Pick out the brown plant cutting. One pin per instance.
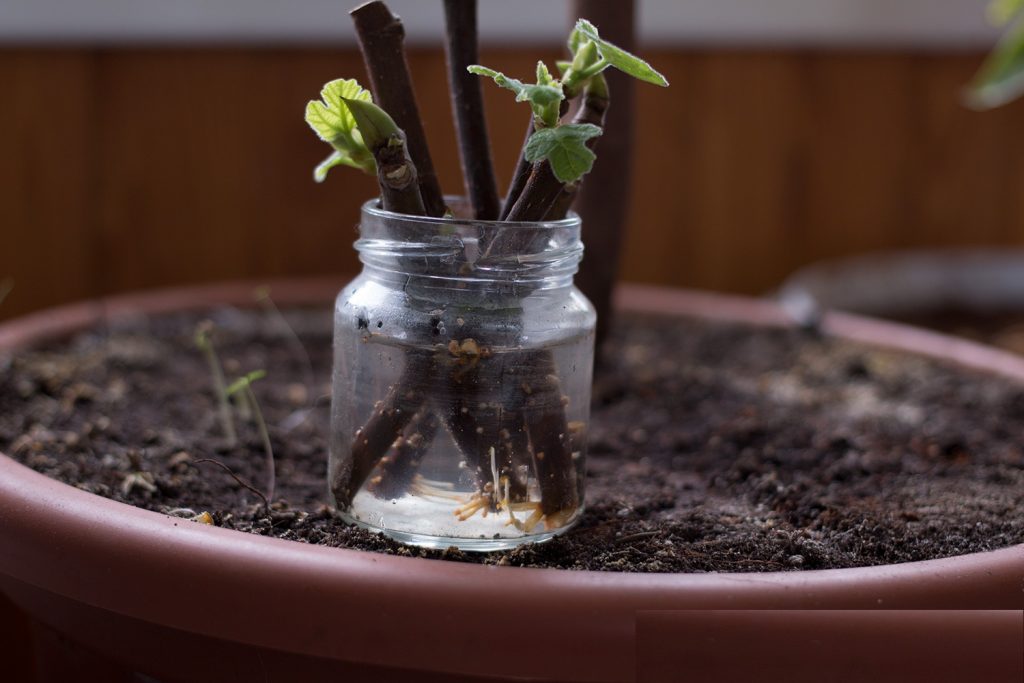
(503, 406)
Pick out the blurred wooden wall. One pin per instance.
(129, 168)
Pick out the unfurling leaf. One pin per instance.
(332, 121)
(565, 148)
(540, 95)
(544, 76)
(575, 38)
(544, 96)
(376, 127)
(616, 56)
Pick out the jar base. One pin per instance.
(477, 545)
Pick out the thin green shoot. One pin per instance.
(242, 407)
(204, 341)
(298, 349)
(244, 385)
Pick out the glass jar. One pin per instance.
(463, 357)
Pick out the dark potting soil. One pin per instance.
(713, 447)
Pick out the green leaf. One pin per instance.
(1001, 78)
(565, 148)
(619, 58)
(333, 123)
(544, 76)
(544, 96)
(540, 95)
(575, 38)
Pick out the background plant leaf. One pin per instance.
(565, 148)
(619, 58)
(1001, 78)
(1001, 12)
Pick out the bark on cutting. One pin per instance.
(381, 41)
(468, 109)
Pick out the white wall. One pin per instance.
(901, 23)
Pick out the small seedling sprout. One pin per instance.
(204, 341)
(243, 385)
(298, 348)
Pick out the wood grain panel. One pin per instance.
(46, 194)
(207, 169)
(971, 162)
(180, 165)
(858, 173)
(713, 194)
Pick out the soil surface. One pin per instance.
(713, 447)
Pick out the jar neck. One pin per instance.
(481, 258)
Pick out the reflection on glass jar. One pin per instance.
(461, 388)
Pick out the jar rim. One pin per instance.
(371, 207)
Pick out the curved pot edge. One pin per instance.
(603, 605)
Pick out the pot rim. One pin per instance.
(328, 602)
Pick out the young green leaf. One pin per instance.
(565, 148)
(619, 58)
(332, 121)
(540, 95)
(1001, 77)
(575, 38)
(544, 77)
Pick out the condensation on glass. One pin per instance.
(461, 389)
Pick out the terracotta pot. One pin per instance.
(892, 284)
(115, 589)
